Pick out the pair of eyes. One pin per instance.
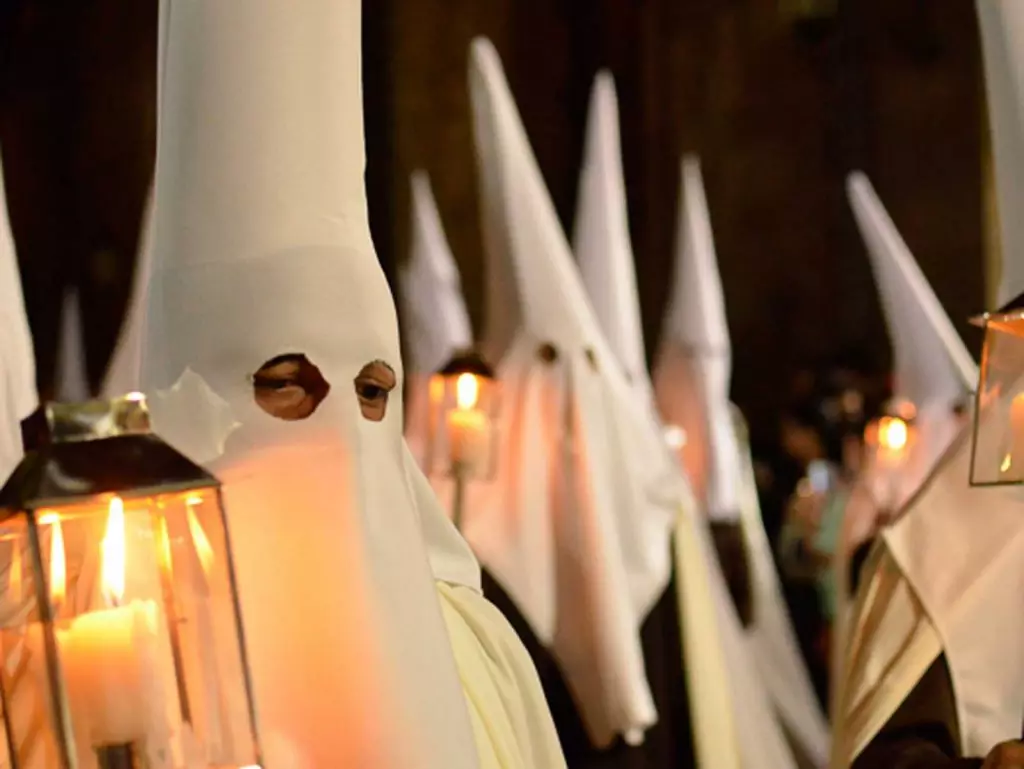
(291, 387)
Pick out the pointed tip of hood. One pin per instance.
(483, 57)
(930, 360)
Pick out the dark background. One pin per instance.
(780, 97)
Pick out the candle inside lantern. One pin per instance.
(468, 426)
(1015, 455)
(893, 437)
(109, 656)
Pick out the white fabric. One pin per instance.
(1002, 47)
(601, 237)
(15, 335)
(693, 368)
(435, 321)
(72, 381)
(771, 636)
(933, 368)
(262, 247)
(956, 556)
(126, 363)
(574, 525)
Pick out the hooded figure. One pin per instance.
(691, 383)
(933, 370)
(18, 397)
(435, 319)
(72, 379)
(126, 362)
(271, 355)
(933, 663)
(574, 526)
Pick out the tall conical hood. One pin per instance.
(601, 238)
(434, 311)
(575, 526)
(533, 283)
(694, 367)
(263, 264)
(932, 365)
(126, 363)
(15, 335)
(1002, 38)
(72, 380)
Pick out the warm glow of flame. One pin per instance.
(165, 547)
(893, 433)
(1006, 464)
(202, 544)
(114, 556)
(467, 391)
(58, 566)
(675, 437)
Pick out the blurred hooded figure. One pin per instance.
(691, 382)
(271, 355)
(574, 527)
(935, 677)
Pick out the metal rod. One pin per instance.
(163, 536)
(54, 674)
(459, 473)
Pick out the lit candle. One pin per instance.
(1016, 453)
(468, 426)
(110, 656)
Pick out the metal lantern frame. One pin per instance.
(1004, 332)
(99, 451)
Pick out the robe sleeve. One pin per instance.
(923, 732)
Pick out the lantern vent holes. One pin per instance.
(289, 387)
(373, 385)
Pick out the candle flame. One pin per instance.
(58, 566)
(114, 556)
(166, 563)
(893, 433)
(202, 544)
(467, 391)
(1006, 464)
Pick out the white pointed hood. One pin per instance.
(126, 363)
(1002, 37)
(601, 237)
(261, 248)
(430, 288)
(693, 371)
(72, 380)
(933, 368)
(575, 525)
(18, 397)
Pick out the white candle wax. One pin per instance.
(109, 658)
(469, 435)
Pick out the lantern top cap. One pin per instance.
(1010, 314)
(98, 419)
(468, 362)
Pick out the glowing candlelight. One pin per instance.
(109, 655)
(1016, 433)
(468, 426)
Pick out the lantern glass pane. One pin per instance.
(147, 628)
(998, 450)
(464, 411)
(31, 729)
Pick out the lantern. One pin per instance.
(464, 401)
(120, 632)
(997, 451)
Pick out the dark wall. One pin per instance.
(779, 112)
